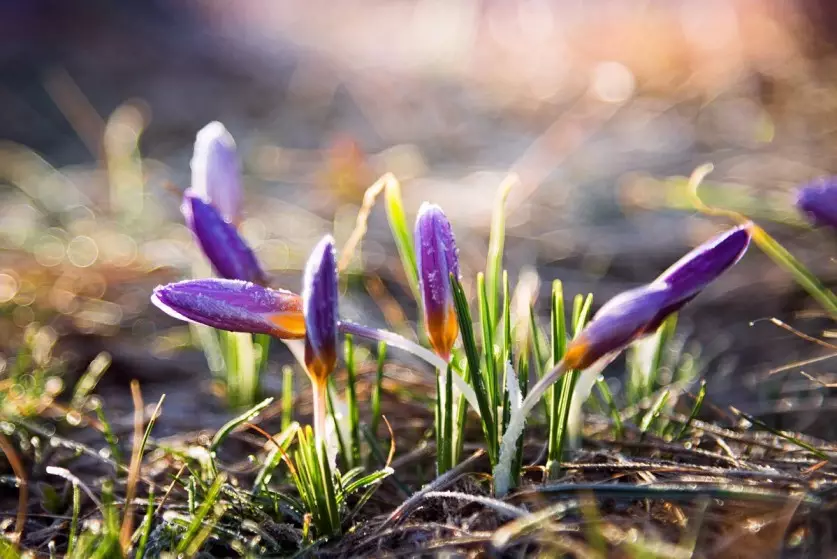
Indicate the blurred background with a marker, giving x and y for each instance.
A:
(601, 108)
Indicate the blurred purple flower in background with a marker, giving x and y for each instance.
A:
(216, 171)
(437, 258)
(818, 201)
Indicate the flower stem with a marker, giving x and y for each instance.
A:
(319, 396)
(422, 353)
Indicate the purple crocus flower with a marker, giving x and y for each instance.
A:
(216, 171)
(818, 201)
(640, 311)
(223, 246)
(437, 259)
(319, 305)
(234, 305)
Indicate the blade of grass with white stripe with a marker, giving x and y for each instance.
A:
(444, 421)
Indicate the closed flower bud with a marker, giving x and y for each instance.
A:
(437, 259)
(220, 242)
(233, 305)
(216, 171)
(640, 311)
(320, 302)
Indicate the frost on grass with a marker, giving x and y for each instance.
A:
(508, 446)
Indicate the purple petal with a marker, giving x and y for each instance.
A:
(437, 258)
(226, 250)
(320, 300)
(216, 171)
(237, 306)
(691, 274)
(620, 321)
(818, 201)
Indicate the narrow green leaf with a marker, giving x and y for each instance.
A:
(200, 515)
(402, 235)
(695, 411)
(228, 427)
(786, 436)
(487, 414)
(73, 534)
(351, 401)
(554, 393)
(607, 396)
(287, 396)
(487, 324)
(654, 411)
(145, 526)
(496, 240)
(377, 389)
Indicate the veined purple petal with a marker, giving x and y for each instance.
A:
(234, 305)
(319, 301)
(691, 274)
(621, 320)
(226, 250)
(216, 171)
(437, 258)
(818, 201)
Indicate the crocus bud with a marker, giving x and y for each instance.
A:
(234, 305)
(319, 303)
(216, 171)
(437, 258)
(640, 311)
(691, 274)
(223, 246)
(818, 201)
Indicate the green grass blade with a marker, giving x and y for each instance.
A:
(377, 389)
(110, 437)
(287, 396)
(402, 235)
(447, 438)
(487, 324)
(208, 504)
(88, 381)
(800, 273)
(73, 534)
(281, 443)
(351, 401)
(496, 240)
(554, 393)
(786, 436)
(145, 527)
(607, 396)
(654, 411)
(228, 427)
(695, 411)
(487, 414)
